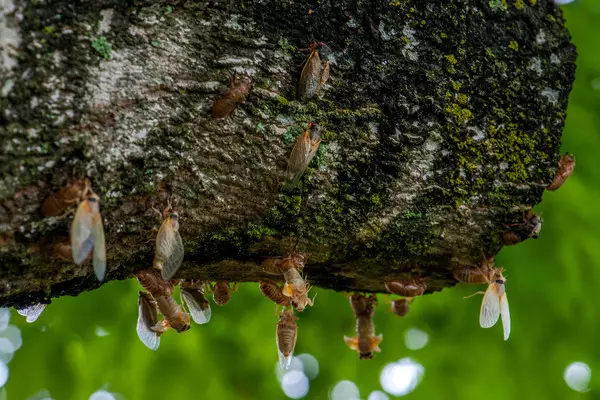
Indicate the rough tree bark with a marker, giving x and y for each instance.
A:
(442, 121)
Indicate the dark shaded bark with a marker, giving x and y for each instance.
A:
(441, 122)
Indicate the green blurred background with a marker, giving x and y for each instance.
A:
(553, 287)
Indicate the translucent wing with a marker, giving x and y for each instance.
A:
(298, 159)
(324, 77)
(169, 249)
(310, 76)
(147, 317)
(284, 362)
(99, 247)
(505, 315)
(490, 307)
(82, 240)
(173, 262)
(199, 310)
(33, 312)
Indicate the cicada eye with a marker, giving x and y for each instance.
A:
(174, 216)
(294, 304)
(92, 199)
(499, 281)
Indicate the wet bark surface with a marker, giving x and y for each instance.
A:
(440, 123)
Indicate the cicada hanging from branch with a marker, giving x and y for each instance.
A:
(33, 312)
(314, 75)
(239, 87)
(566, 165)
(87, 233)
(147, 320)
(192, 293)
(365, 342)
(221, 291)
(529, 228)
(286, 335)
(304, 150)
(169, 246)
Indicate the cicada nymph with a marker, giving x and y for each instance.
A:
(239, 87)
(566, 165)
(273, 292)
(365, 342)
(169, 246)
(400, 307)
(295, 285)
(286, 335)
(221, 291)
(304, 150)
(314, 75)
(192, 293)
(87, 233)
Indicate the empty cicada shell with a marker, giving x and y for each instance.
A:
(407, 287)
(365, 342)
(529, 228)
(239, 87)
(566, 165)
(59, 202)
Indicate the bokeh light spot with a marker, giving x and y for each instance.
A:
(6, 350)
(3, 373)
(345, 390)
(402, 377)
(101, 332)
(102, 395)
(295, 365)
(4, 318)
(561, 2)
(378, 395)
(415, 339)
(13, 334)
(310, 365)
(295, 384)
(578, 375)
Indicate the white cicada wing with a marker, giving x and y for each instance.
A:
(504, 311)
(33, 312)
(82, 240)
(99, 247)
(147, 316)
(169, 249)
(490, 307)
(200, 313)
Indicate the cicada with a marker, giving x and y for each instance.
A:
(304, 150)
(169, 246)
(147, 320)
(314, 75)
(193, 296)
(365, 342)
(495, 304)
(87, 233)
(286, 335)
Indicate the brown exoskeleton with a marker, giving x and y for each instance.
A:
(161, 290)
(87, 233)
(314, 75)
(529, 228)
(239, 87)
(59, 202)
(221, 292)
(479, 276)
(566, 165)
(295, 286)
(192, 293)
(168, 255)
(273, 292)
(304, 150)
(286, 335)
(365, 341)
(400, 307)
(407, 287)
